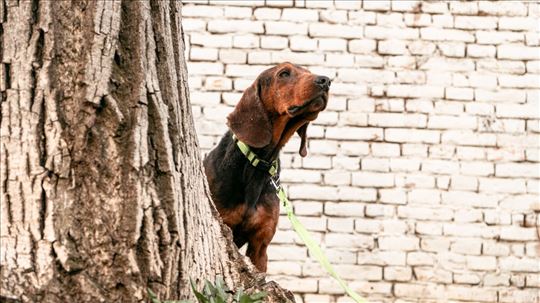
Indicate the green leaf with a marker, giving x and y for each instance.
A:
(153, 297)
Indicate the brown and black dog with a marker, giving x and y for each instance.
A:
(281, 101)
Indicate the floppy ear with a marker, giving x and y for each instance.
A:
(302, 132)
(249, 120)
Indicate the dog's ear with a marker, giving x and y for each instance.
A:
(302, 132)
(249, 121)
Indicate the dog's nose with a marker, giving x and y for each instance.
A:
(323, 82)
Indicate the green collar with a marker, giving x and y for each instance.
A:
(257, 162)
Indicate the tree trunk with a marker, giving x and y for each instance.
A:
(103, 192)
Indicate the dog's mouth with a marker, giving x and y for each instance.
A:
(316, 104)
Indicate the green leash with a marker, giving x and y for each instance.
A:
(302, 232)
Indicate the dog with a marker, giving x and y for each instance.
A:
(282, 100)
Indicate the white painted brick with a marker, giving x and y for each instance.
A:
(402, 243)
(353, 119)
(333, 16)
(464, 8)
(437, 34)
(298, 58)
(235, 26)
(392, 47)
(498, 37)
(203, 54)
(274, 42)
(238, 12)
(300, 176)
(354, 148)
(519, 264)
(286, 253)
(519, 295)
(472, 294)
(420, 258)
(332, 44)
(344, 209)
(334, 30)
(404, 165)
(302, 285)
(257, 57)
(201, 11)
(500, 185)
(414, 91)
(370, 61)
(448, 64)
(348, 5)
(308, 208)
(377, 210)
(406, 6)
(514, 233)
(245, 71)
(423, 213)
(452, 49)
(395, 273)
(375, 164)
(285, 28)
(500, 95)
(434, 7)
(443, 21)
(518, 23)
(459, 137)
(337, 178)
(503, 8)
(246, 41)
(475, 22)
(412, 77)
(279, 3)
(477, 168)
(284, 268)
(452, 122)
(298, 14)
(232, 56)
(205, 98)
(367, 179)
(385, 149)
(361, 17)
(378, 32)
(396, 120)
(377, 5)
(415, 180)
(301, 43)
(348, 240)
(417, 20)
(466, 198)
(353, 133)
(191, 25)
(480, 51)
(428, 228)
(517, 170)
(390, 20)
(312, 192)
(238, 2)
(340, 224)
(265, 13)
(217, 83)
(343, 60)
(411, 135)
(424, 196)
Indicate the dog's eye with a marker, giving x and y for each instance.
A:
(284, 74)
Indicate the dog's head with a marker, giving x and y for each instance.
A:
(281, 101)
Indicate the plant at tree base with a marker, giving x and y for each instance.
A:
(218, 293)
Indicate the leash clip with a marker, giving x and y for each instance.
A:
(275, 182)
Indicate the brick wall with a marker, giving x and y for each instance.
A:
(422, 176)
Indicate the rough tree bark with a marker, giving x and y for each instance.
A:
(103, 192)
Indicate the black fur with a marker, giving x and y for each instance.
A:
(235, 179)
